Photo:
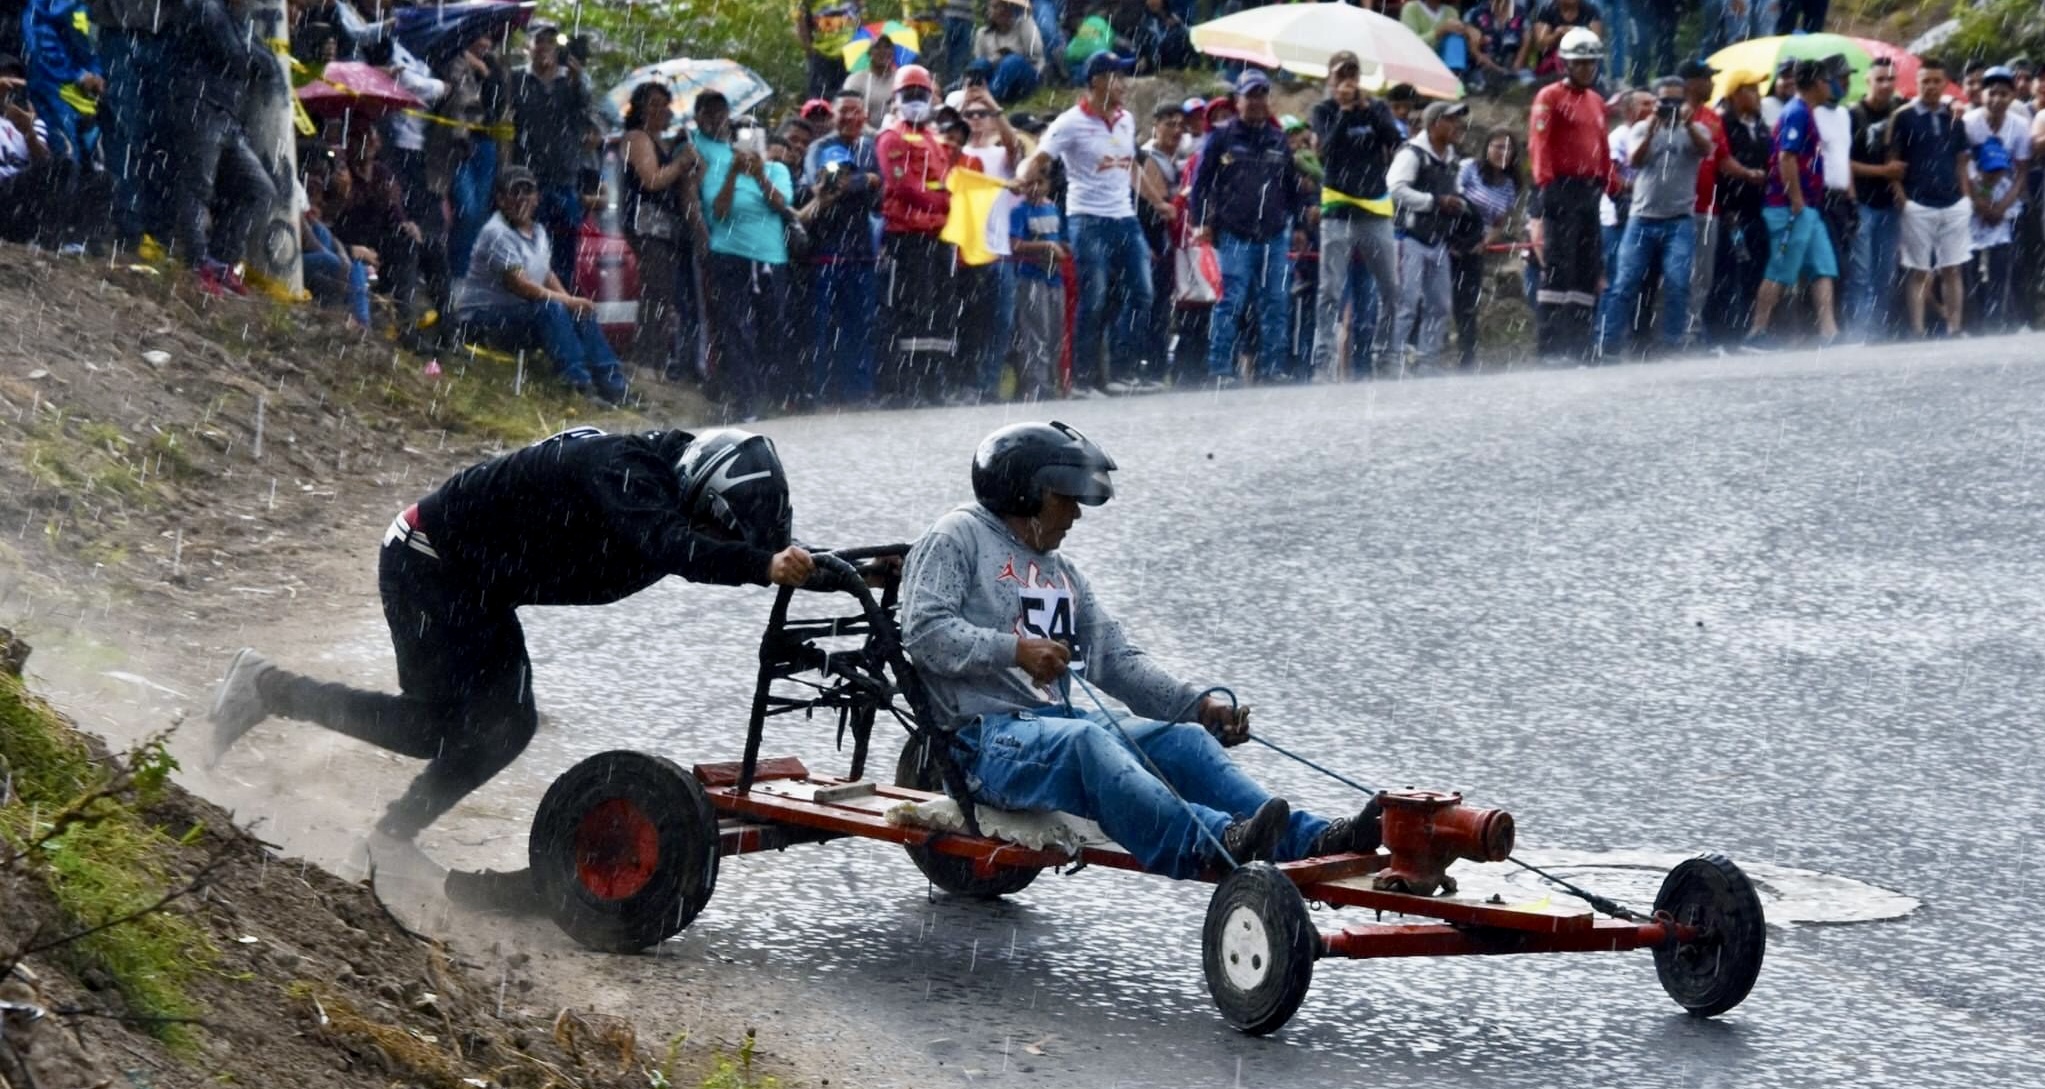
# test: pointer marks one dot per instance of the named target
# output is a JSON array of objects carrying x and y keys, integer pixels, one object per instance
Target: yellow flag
[{"x": 973, "y": 197}]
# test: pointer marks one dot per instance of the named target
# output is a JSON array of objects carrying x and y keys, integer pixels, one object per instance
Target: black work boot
[
  {"x": 1255, "y": 838},
  {"x": 1360, "y": 833}
]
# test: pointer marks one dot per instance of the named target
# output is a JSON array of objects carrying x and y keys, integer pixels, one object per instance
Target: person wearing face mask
[{"x": 921, "y": 306}]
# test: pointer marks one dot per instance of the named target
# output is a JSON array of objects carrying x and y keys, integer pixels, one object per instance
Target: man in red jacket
[
  {"x": 1572, "y": 165},
  {"x": 921, "y": 309}
]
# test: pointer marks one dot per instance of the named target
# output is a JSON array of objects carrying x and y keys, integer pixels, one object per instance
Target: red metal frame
[{"x": 780, "y": 810}]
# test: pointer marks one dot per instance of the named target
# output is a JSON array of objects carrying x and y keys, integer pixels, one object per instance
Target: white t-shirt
[
  {"x": 1835, "y": 146},
  {"x": 1771, "y": 110},
  {"x": 1621, "y": 144},
  {"x": 1099, "y": 158},
  {"x": 2015, "y": 133},
  {"x": 993, "y": 162},
  {"x": 1983, "y": 234},
  {"x": 14, "y": 147}
]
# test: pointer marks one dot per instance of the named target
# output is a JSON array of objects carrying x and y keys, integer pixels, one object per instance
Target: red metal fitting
[{"x": 1425, "y": 831}]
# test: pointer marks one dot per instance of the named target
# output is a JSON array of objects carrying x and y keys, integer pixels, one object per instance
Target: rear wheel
[
  {"x": 951, "y": 873},
  {"x": 624, "y": 851},
  {"x": 1714, "y": 973},
  {"x": 1258, "y": 948}
]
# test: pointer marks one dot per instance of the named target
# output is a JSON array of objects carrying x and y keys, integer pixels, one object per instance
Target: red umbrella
[{"x": 350, "y": 86}]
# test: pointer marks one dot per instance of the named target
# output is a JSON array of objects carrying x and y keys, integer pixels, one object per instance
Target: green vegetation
[
  {"x": 1997, "y": 30},
  {"x": 77, "y": 825}
]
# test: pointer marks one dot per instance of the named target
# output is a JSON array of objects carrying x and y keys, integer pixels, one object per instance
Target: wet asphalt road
[{"x": 1786, "y": 608}]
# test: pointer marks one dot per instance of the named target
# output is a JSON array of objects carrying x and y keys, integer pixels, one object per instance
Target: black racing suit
[{"x": 569, "y": 521}]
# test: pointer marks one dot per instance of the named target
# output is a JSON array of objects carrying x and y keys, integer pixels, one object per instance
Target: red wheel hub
[{"x": 617, "y": 849}]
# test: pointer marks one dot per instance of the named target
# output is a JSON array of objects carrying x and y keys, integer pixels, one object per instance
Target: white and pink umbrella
[{"x": 1300, "y": 37}]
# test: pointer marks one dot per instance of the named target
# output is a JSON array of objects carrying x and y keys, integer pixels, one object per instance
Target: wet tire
[
  {"x": 949, "y": 872},
  {"x": 1258, "y": 949},
  {"x": 624, "y": 851},
  {"x": 1713, "y": 974}
]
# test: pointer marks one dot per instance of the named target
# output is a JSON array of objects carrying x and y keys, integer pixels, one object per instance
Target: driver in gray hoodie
[{"x": 998, "y": 622}]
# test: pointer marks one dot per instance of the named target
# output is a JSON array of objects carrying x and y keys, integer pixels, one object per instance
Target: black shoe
[
  {"x": 1361, "y": 833},
  {"x": 1255, "y": 838}
]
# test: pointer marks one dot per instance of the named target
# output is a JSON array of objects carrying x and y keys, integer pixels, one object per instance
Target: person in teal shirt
[{"x": 746, "y": 213}]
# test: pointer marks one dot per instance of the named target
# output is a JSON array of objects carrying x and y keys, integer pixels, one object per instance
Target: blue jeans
[
  {"x": 575, "y": 344},
  {"x": 1871, "y": 268},
  {"x": 1106, "y": 249},
  {"x": 1609, "y": 238},
  {"x": 1672, "y": 242},
  {"x": 958, "y": 49},
  {"x": 560, "y": 212},
  {"x": 1046, "y": 14},
  {"x": 1080, "y": 765},
  {"x": 845, "y": 307},
  {"x": 1619, "y": 28},
  {"x": 470, "y": 195},
  {"x": 1727, "y": 21},
  {"x": 1253, "y": 273},
  {"x": 133, "y": 64},
  {"x": 1014, "y": 79},
  {"x": 335, "y": 279}
]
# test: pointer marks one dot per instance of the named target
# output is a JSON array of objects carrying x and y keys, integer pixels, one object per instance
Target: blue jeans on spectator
[
  {"x": 1673, "y": 243},
  {"x": 1056, "y": 758},
  {"x": 473, "y": 180},
  {"x": 1252, "y": 273},
  {"x": 1000, "y": 331},
  {"x": 1610, "y": 237},
  {"x": 1727, "y": 21},
  {"x": 845, "y": 307},
  {"x": 1014, "y": 79},
  {"x": 1805, "y": 15},
  {"x": 1109, "y": 249},
  {"x": 134, "y": 67},
  {"x": 335, "y": 280},
  {"x": 1047, "y": 14},
  {"x": 576, "y": 345},
  {"x": 1654, "y": 40},
  {"x": 958, "y": 49},
  {"x": 1619, "y": 27},
  {"x": 560, "y": 212},
  {"x": 1871, "y": 269}
]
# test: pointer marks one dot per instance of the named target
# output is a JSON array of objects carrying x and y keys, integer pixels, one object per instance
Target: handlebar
[{"x": 833, "y": 573}]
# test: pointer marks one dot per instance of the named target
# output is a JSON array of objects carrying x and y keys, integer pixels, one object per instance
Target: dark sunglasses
[{"x": 976, "y": 115}]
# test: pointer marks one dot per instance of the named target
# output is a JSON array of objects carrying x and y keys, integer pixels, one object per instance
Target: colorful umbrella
[
  {"x": 685, "y": 79},
  {"x": 436, "y": 32},
  {"x": 1760, "y": 56},
  {"x": 907, "y": 44},
  {"x": 350, "y": 86},
  {"x": 1299, "y": 38}
]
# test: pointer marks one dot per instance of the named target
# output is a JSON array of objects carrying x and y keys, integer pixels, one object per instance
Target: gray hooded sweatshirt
[{"x": 970, "y": 590}]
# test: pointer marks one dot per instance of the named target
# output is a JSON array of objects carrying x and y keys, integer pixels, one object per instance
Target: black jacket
[
  {"x": 214, "y": 57},
  {"x": 577, "y": 521},
  {"x": 550, "y": 115},
  {"x": 1356, "y": 148},
  {"x": 1246, "y": 184}
]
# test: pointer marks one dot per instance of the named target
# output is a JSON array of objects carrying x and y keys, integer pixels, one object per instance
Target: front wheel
[
  {"x": 1258, "y": 948},
  {"x": 624, "y": 851},
  {"x": 951, "y": 873},
  {"x": 1712, "y": 974}
]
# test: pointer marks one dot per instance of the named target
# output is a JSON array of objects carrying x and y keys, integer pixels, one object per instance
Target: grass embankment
[{"x": 79, "y": 827}]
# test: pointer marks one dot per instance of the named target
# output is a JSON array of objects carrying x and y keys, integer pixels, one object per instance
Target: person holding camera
[
  {"x": 1423, "y": 188},
  {"x": 659, "y": 177},
  {"x": 25, "y": 159},
  {"x": 842, "y": 185},
  {"x": 1668, "y": 150},
  {"x": 549, "y": 99},
  {"x": 745, "y": 201}
]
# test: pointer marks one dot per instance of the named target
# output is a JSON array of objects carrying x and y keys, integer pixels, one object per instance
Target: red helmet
[{"x": 914, "y": 75}]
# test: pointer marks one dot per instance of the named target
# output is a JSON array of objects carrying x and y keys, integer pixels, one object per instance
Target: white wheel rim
[{"x": 1245, "y": 950}]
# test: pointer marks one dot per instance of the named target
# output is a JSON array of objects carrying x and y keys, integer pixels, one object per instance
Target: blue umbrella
[{"x": 437, "y": 32}]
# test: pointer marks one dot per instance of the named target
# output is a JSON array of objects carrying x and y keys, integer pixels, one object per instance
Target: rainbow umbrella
[
  {"x": 1760, "y": 57},
  {"x": 907, "y": 43}
]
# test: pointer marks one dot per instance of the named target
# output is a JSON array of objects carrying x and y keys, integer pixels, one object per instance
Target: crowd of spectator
[{"x": 821, "y": 260}]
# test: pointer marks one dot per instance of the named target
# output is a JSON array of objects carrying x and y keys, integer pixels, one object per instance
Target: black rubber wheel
[
  {"x": 1713, "y": 974},
  {"x": 624, "y": 851},
  {"x": 1258, "y": 948},
  {"x": 949, "y": 872}
]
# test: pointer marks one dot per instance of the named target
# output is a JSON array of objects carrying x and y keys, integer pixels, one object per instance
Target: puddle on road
[{"x": 1790, "y": 896}]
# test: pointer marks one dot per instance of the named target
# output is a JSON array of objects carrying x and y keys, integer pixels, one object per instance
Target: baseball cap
[
  {"x": 1437, "y": 110},
  {"x": 1990, "y": 156},
  {"x": 1998, "y": 74},
  {"x": 1404, "y": 92},
  {"x": 515, "y": 177},
  {"x": 1221, "y": 102},
  {"x": 1105, "y": 63},
  {"x": 1167, "y": 109},
  {"x": 1028, "y": 123},
  {"x": 1194, "y": 105},
  {"x": 1340, "y": 59},
  {"x": 814, "y": 105},
  {"x": 542, "y": 26},
  {"x": 1291, "y": 123},
  {"x": 1251, "y": 81},
  {"x": 2023, "y": 66},
  {"x": 1696, "y": 69}
]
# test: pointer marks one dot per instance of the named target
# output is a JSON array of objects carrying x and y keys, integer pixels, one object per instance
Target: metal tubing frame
[{"x": 1374, "y": 941}]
